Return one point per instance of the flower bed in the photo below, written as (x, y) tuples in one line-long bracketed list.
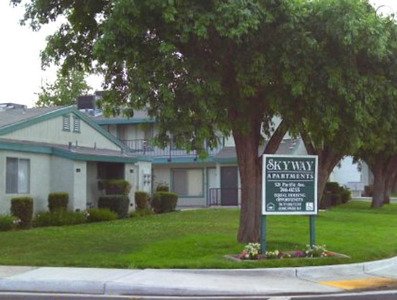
[(251, 252)]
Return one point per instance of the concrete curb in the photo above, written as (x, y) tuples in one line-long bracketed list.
[(188, 282)]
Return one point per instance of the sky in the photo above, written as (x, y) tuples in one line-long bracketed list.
[(20, 68)]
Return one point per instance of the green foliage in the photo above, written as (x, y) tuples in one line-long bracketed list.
[(332, 187), (22, 208), (164, 202), (59, 218), (142, 212), (64, 91), (117, 187), (100, 215), (116, 203), (334, 195), (8, 222), (58, 201), (162, 188), (142, 200), (195, 239)]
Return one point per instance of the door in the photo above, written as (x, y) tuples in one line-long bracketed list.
[(229, 186)]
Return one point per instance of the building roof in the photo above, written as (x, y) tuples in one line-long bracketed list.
[(17, 115), (229, 155), (69, 151), (140, 116)]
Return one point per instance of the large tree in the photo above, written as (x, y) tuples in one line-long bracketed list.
[(65, 90), (203, 67), (338, 72)]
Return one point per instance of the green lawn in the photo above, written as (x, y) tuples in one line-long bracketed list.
[(200, 239)]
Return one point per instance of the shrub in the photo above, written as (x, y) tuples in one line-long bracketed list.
[(345, 195), (162, 188), (141, 200), (8, 222), (332, 187), (142, 212), (117, 187), (100, 215), (163, 202), (58, 201), (59, 218), (22, 208), (117, 203)]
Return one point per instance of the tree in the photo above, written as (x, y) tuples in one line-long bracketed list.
[(64, 91), (202, 67), (337, 75), (380, 148)]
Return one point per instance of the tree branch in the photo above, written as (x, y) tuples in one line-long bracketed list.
[(308, 143), (276, 138)]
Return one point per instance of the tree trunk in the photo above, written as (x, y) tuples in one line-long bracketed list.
[(378, 192), (250, 168)]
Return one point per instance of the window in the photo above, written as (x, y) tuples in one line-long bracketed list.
[(17, 176), (76, 124), (66, 123), (187, 182)]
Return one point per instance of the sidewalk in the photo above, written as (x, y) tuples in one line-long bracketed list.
[(255, 282)]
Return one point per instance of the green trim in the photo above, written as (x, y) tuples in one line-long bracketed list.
[(181, 160), (12, 146), (122, 121), (202, 184), (102, 131), (59, 112), (37, 119), (224, 161)]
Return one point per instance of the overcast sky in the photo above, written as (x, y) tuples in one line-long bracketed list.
[(20, 68)]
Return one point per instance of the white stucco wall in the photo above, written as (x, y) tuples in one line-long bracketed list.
[(144, 176), (62, 179), (130, 175), (92, 183), (79, 199), (39, 180), (51, 131)]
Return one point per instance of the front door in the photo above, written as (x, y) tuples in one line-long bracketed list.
[(229, 186)]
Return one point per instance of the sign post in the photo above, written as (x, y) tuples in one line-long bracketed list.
[(289, 187)]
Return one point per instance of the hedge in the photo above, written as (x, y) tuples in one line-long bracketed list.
[(100, 215), (58, 201), (117, 203), (22, 208), (59, 218), (8, 222), (116, 187), (142, 200), (163, 202)]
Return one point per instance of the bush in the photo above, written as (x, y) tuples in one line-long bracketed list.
[(162, 188), (22, 208), (142, 212), (100, 215), (345, 195), (332, 187), (117, 187), (163, 202), (8, 222), (116, 203), (59, 218), (141, 200), (58, 201)]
